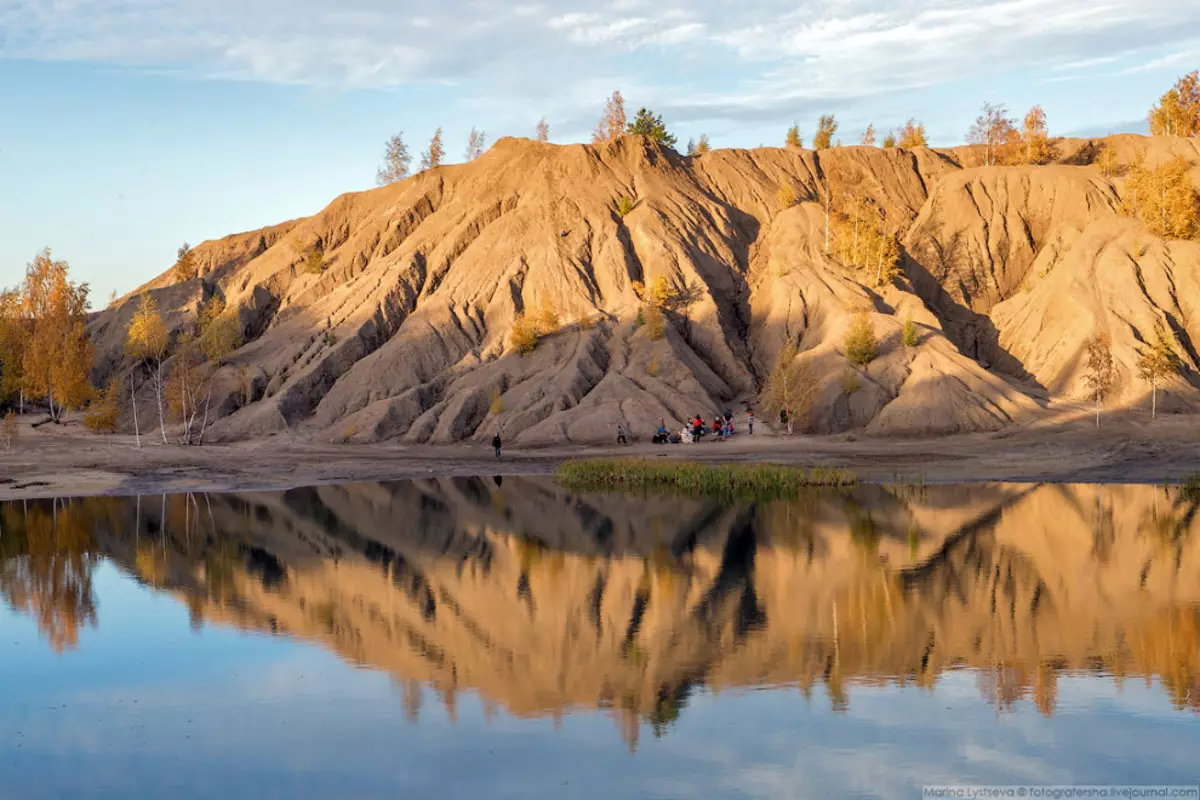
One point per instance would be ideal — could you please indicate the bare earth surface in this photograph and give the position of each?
(67, 461)
(404, 334)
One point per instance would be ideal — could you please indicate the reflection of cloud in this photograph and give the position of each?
(766, 56)
(1022, 769)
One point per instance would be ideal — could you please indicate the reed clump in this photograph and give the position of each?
(690, 477)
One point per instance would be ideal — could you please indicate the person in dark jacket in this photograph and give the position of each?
(496, 444)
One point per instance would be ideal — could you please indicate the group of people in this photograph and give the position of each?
(697, 428)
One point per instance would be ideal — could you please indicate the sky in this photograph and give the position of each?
(128, 127)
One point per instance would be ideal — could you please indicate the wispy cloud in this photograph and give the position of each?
(764, 55)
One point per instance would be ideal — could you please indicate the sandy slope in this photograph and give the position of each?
(404, 336)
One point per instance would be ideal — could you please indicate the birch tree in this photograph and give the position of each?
(1156, 362)
(146, 341)
(612, 123)
(435, 154)
(396, 161)
(1099, 375)
(58, 357)
(475, 144)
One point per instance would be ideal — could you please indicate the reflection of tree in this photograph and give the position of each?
(1170, 648)
(669, 703)
(548, 602)
(47, 555)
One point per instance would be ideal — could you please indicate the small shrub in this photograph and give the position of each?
(653, 367)
(330, 338)
(349, 432)
(656, 322)
(102, 415)
(860, 341)
(640, 319)
(314, 263)
(1190, 488)
(625, 206)
(908, 334)
(220, 332)
(548, 321)
(497, 406)
(786, 196)
(851, 383)
(9, 430)
(524, 335)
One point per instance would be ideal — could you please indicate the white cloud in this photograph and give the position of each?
(762, 55)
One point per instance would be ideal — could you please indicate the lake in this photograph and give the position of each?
(488, 637)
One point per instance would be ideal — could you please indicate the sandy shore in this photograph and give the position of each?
(67, 461)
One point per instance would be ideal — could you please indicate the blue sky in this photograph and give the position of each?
(130, 126)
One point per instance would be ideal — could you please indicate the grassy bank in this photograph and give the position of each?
(688, 477)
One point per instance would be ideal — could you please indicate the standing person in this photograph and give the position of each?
(496, 444)
(750, 422)
(785, 420)
(621, 434)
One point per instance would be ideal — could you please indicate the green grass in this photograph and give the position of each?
(758, 481)
(1190, 488)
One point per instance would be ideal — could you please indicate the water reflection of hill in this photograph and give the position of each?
(541, 600)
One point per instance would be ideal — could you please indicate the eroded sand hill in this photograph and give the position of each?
(405, 335)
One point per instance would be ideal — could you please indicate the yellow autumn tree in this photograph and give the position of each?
(1033, 146)
(860, 344)
(1177, 113)
(790, 387)
(913, 135)
(658, 297)
(1099, 374)
(146, 341)
(613, 122)
(1156, 362)
(198, 355)
(220, 330)
(863, 240)
(868, 136)
(1106, 160)
(523, 338)
(993, 129)
(548, 318)
(1163, 198)
(59, 355)
(104, 411)
(185, 264)
(826, 127)
(14, 339)
(793, 138)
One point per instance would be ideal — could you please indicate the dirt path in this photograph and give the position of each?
(66, 461)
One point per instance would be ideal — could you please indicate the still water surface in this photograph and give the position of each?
(486, 638)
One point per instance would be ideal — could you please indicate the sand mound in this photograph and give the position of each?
(405, 333)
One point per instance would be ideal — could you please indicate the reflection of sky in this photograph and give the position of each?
(146, 707)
